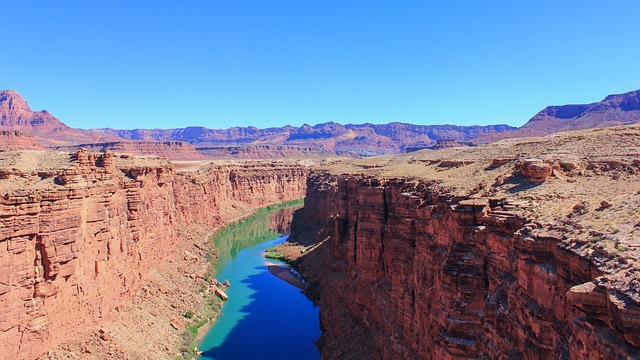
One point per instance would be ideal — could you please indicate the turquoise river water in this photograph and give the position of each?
(265, 317)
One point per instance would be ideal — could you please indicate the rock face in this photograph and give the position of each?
(619, 109)
(14, 140)
(77, 239)
(404, 270)
(536, 170)
(15, 114)
(175, 150)
(262, 151)
(238, 142)
(349, 140)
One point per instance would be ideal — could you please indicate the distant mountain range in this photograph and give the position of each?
(16, 115)
(322, 139)
(614, 110)
(351, 140)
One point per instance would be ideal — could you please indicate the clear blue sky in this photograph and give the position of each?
(140, 64)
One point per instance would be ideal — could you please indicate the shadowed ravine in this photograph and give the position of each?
(265, 317)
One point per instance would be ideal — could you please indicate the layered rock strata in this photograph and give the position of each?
(175, 150)
(262, 151)
(15, 114)
(404, 270)
(15, 140)
(77, 237)
(349, 140)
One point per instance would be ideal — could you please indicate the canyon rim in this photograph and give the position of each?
(333, 180)
(520, 248)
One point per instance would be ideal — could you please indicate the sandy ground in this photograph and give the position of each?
(286, 274)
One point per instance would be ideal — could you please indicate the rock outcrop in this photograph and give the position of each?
(175, 150)
(535, 170)
(78, 235)
(407, 272)
(353, 140)
(15, 140)
(521, 249)
(15, 114)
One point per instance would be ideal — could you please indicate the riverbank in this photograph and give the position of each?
(259, 300)
(175, 304)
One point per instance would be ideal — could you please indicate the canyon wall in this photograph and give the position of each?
(15, 114)
(176, 150)
(14, 140)
(76, 240)
(404, 270)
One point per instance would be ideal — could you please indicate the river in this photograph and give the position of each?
(265, 317)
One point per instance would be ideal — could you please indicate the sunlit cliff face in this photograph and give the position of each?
(492, 255)
(82, 231)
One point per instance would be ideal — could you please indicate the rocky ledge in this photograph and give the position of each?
(79, 232)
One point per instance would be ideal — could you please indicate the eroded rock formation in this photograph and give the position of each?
(77, 237)
(536, 170)
(175, 150)
(476, 260)
(15, 140)
(417, 274)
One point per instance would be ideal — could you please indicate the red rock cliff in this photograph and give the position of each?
(175, 150)
(406, 271)
(78, 238)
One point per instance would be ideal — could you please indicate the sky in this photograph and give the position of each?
(167, 64)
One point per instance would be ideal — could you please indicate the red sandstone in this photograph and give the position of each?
(78, 238)
(436, 264)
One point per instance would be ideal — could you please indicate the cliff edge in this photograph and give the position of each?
(80, 232)
(522, 249)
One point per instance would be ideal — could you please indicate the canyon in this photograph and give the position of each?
(524, 248)
(521, 249)
(81, 231)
